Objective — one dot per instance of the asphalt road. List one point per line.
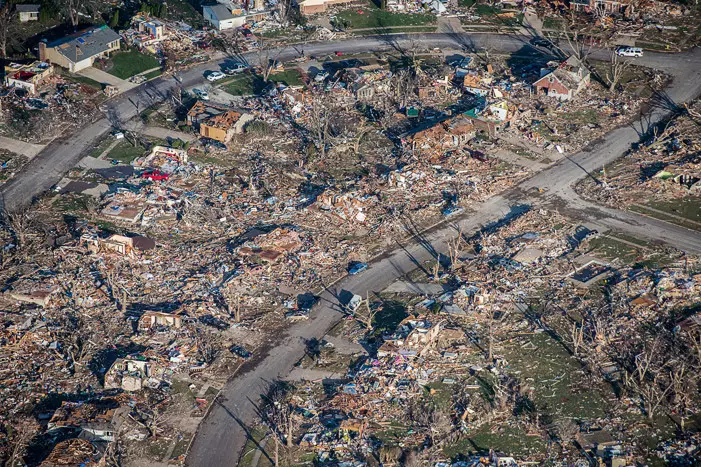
(223, 434)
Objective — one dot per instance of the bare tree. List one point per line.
(74, 9)
(647, 377)
(615, 70)
(367, 319)
(277, 414)
(19, 432)
(427, 416)
(495, 321)
(207, 348)
(20, 224)
(569, 42)
(267, 59)
(156, 416)
(7, 22)
(321, 116)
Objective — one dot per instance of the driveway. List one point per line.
(21, 147)
(105, 78)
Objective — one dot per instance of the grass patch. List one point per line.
(387, 319)
(289, 77)
(249, 450)
(559, 387)
(658, 215)
(466, 3)
(582, 117)
(125, 152)
(552, 23)
(243, 85)
(101, 147)
(486, 10)
(406, 29)
(688, 208)
(181, 445)
(372, 17)
(513, 441)
(153, 74)
(127, 64)
(611, 249)
(250, 84)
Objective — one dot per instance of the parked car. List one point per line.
(201, 93)
(540, 42)
(452, 210)
(357, 268)
(235, 68)
(117, 134)
(155, 175)
(215, 76)
(629, 52)
(338, 54)
(240, 351)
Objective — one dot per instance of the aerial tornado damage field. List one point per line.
(347, 233)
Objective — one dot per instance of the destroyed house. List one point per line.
(475, 85)
(36, 293)
(154, 319)
(27, 77)
(130, 374)
(565, 81)
(453, 133)
(120, 244)
(79, 51)
(73, 451)
(216, 121)
(311, 7)
(93, 419)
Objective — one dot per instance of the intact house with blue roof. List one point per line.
(79, 51)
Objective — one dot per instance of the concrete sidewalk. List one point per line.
(21, 147)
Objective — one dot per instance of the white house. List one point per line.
(222, 17)
(28, 12)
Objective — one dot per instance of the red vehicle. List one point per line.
(155, 175)
(339, 54)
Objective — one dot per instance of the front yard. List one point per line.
(127, 64)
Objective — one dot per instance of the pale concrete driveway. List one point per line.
(106, 78)
(21, 147)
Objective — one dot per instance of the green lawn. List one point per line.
(289, 77)
(688, 208)
(100, 147)
(127, 64)
(559, 389)
(513, 441)
(153, 74)
(248, 84)
(372, 17)
(125, 152)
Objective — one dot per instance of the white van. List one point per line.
(630, 52)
